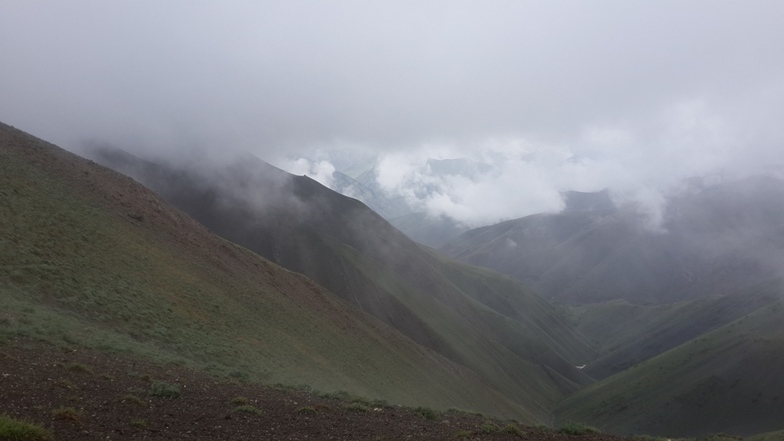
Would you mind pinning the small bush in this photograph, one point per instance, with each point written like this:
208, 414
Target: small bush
67, 413
240, 401
80, 368
133, 399
306, 410
511, 429
164, 390
426, 413
338, 395
357, 407
107, 377
578, 429
66, 384
140, 424
17, 430
463, 434
488, 427
248, 409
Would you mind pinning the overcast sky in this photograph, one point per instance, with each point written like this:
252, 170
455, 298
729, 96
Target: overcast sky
639, 94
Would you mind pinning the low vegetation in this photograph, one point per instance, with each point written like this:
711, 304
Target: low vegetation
13, 429
247, 408
164, 390
578, 429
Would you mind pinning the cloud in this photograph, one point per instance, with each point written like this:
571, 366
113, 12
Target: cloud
631, 96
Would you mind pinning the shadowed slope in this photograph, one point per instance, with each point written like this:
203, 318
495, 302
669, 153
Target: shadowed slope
717, 239
489, 323
90, 257
728, 380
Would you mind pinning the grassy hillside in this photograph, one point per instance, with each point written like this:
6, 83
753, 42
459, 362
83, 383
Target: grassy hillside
715, 240
626, 334
89, 257
513, 339
728, 380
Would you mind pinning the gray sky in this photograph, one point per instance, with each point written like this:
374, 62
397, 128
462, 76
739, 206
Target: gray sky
643, 93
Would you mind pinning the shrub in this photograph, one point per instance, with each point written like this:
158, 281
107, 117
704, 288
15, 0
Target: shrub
66, 384
141, 423
463, 434
306, 409
240, 401
67, 413
248, 409
133, 399
17, 430
426, 413
511, 429
357, 407
578, 429
488, 427
164, 390
80, 368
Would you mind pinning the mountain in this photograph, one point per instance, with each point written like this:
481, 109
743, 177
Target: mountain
90, 258
514, 340
426, 229
728, 380
715, 240
626, 334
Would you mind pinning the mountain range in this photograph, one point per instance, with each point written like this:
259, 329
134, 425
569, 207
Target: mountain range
237, 268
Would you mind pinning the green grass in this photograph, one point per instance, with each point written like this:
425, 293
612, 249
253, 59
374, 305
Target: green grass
12, 429
718, 382
306, 410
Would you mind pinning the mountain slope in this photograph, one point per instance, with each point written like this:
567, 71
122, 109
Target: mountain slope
728, 380
627, 334
717, 239
90, 257
514, 340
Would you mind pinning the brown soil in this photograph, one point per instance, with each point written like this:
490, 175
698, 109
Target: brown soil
44, 384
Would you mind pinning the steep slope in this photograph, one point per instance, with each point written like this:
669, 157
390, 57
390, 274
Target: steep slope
626, 334
728, 380
89, 257
514, 340
717, 239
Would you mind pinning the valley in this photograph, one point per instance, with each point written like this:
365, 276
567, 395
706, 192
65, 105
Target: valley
243, 272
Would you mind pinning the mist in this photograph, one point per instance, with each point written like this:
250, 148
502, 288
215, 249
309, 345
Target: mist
552, 96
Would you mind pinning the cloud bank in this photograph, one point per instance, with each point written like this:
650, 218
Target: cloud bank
555, 95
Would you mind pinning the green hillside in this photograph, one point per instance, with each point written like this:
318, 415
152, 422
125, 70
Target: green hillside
728, 380
512, 338
626, 334
91, 258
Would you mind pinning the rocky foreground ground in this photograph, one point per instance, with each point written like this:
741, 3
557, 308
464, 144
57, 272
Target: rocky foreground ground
88, 395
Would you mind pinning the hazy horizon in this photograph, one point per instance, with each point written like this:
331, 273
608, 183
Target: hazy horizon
555, 96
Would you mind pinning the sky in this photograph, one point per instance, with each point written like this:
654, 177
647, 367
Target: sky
633, 96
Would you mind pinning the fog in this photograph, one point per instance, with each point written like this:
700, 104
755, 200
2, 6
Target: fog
553, 96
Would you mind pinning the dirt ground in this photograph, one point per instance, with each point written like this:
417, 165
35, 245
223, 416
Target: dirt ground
88, 395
